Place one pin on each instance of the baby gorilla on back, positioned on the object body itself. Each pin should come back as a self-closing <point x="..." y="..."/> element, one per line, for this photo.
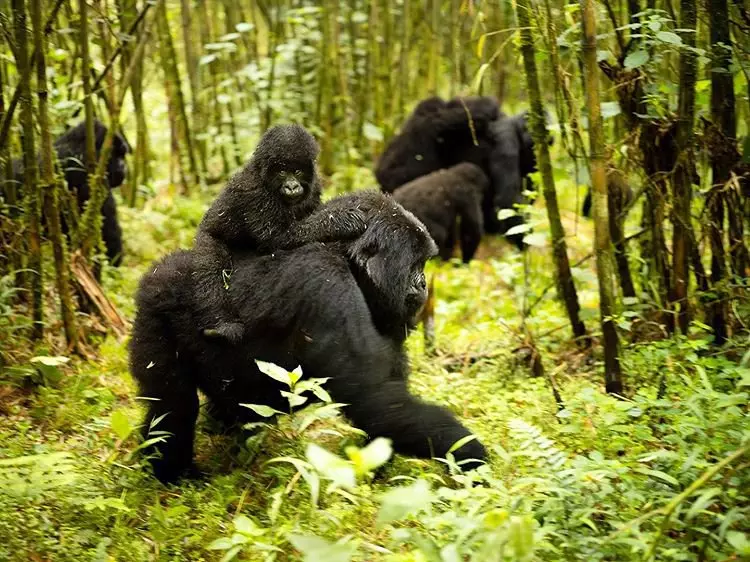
<point x="269" y="205"/>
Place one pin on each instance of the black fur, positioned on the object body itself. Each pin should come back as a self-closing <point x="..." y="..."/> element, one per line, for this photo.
<point x="339" y="310"/>
<point x="511" y="160"/>
<point x="71" y="148"/>
<point x="267" y="206"/>
<point x="442" y="198"/>
<point x="438" y="134"/>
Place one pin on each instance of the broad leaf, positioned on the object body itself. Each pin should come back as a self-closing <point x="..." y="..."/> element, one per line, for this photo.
<point x="636" y="59"/>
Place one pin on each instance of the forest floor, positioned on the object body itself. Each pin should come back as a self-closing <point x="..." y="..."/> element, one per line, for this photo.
<point x="559" y="486"/>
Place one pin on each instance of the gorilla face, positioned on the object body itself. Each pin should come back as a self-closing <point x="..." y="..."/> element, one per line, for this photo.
<point x="388" y="261"/>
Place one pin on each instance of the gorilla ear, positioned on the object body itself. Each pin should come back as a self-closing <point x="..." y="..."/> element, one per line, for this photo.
<point x="363" y="250"/>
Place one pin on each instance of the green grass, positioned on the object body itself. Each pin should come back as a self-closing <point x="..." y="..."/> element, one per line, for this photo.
<point x="559" y="485"/>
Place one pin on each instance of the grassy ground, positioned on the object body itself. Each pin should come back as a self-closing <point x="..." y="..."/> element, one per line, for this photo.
<point x="559" y="487"/>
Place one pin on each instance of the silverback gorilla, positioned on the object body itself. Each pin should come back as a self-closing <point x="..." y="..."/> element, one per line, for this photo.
<point x="71" y="148"/>
<point x="340" y="310"/>
<point x="444" y="198"/>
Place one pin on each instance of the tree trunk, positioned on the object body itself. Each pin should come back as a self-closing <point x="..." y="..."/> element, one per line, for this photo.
<point x="191" y="64"/>
<point x="32" y="195"/>
<point x="683" y="178"/>
<point x="50" y="186"/>
<point x="722" y="116"/>
<point x="566" y="287"/>
<point x="602" y="243"/>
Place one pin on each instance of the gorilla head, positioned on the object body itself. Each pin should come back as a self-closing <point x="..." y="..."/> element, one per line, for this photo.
<point x="71" y="151"/>
<point x="283" y="165"/>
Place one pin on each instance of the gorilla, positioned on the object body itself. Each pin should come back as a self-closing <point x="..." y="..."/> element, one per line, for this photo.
<point x="441" y="198"/>
<point x="71" y="154"/>
<point x="438" y="135"/>
<point x="511" y="161"/>
<point x="340" y="310"/>
<point x="267" y="206"/>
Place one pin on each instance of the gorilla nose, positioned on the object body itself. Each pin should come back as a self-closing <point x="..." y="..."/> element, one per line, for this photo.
<point x="292" y="188"/>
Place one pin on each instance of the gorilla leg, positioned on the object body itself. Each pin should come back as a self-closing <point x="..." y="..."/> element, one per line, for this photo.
<point x="472" y="230"/>
<point x="111" y="232"/>
<point x="172" y="408"/>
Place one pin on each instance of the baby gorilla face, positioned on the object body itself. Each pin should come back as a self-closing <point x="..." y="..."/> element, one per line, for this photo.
<point x="293" y="182"/>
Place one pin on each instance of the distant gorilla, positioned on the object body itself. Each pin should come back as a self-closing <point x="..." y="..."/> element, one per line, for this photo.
<point x="339" y="310"/>
<point x="71" y="149"/>
<point x="511" y="160"/>
<point x="437" y="135"/>
<point x="442" y="198"/>
<point x="267" y="206"/>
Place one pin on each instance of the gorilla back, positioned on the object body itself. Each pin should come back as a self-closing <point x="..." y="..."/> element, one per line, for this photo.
<point x="311" y="306"/>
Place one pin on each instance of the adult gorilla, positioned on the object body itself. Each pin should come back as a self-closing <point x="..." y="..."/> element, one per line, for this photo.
<point x="439" y="135"/>
<point x="339" y="310"/>
<point x="71" y="154"/>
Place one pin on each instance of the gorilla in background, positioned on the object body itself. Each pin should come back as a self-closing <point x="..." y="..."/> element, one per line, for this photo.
<point x="267" y="206"/>
<point x="438" y="134"/>
<point x="340" y="310"/>
<point x="71" y="148"/>
<point x="511" y="161"/>
<point x="443" y="198"/>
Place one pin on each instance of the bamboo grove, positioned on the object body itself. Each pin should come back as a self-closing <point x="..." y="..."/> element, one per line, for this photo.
<point x="656" y="92"/>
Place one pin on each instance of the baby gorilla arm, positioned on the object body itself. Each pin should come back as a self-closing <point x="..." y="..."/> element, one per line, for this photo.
<point x="327" y="224"/>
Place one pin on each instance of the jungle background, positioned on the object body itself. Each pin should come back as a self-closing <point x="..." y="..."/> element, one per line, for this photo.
<point x="616" y="414"/>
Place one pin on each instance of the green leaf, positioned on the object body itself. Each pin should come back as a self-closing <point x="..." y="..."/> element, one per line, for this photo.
<point x="294" y="399"/>
<point x="54" y="361"/>
<point x="400" y="502"/>
<point x="120" y="424"/>
<point x="336" y="469"/>
<point x="669" y="37"/>
<point x="265" y="411"/>
<point x="374" y="455"/>
<point x="247" y="526"/>
<point x="207" y="59"/>
<point x="658" y="474"/>
<point x="636" y="59"/>
<point x="521" y="536"/>
<point x="703" y="501"/>
<point x="220" y="544"/>
<point x="518" y="229"/>
<point x="739" y="542"/>
<point x="503" y="214"/>
<point x="274" y="371"/>
<point x="537" y="239"/>
<point x="461" y="442"/>
<point x="372" y="132"/>
<point x="610" y="109"/>
<point x="317" y="549"/>
<point x="244" y="27"/>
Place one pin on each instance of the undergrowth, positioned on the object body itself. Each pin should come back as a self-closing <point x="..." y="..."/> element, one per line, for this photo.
<point x="662" y="473"/>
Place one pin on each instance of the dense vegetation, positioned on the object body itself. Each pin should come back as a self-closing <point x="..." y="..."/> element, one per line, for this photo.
<point x="629" y="440"/>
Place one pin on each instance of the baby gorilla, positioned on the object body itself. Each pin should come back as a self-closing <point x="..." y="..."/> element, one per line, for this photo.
<point x="269" y="205"/>
<point x="441" y="198"/>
